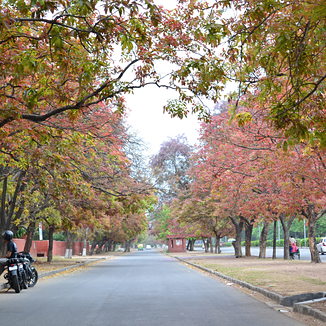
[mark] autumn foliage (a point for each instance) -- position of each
(66, 66)
(253, 179)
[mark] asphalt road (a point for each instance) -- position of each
(141, 289)
(304, 252)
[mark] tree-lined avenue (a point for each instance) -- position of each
(145, 288)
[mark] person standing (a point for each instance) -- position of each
(292, 240)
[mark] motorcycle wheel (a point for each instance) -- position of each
(15, 283)
(33, 280)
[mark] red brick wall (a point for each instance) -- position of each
(77, 248)
(59, 248)
(41, 247)
(20, 244)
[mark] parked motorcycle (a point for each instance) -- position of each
(30, 271)
(16, 275)
(20, 273)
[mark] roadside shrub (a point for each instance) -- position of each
(255, 243)
(59, 237)
(280, 243)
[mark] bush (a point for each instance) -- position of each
(59, 237)
(280, 243)
(255, 243)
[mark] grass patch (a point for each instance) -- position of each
(286, 277)
(311, 280)
(223, 269)
(255, 277)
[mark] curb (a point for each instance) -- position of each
(300, 307)
(304, 297)
(57, 271)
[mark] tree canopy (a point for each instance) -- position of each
(66, 66)
(67, 56)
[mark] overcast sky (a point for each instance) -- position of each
(146, 118)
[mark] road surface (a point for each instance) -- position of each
(140, 289)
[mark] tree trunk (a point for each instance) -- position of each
(69, 245)
(218, 245)
(110, 245)
(218, 236)
(191, 244)
(8, 206)
(238, 225)
(206, 245)
(286, 254)
(13, 201)
(312, 218)
(263, 240)
(93, 246)
(274, 240)
(127, 246)
(3, 215)
(30, 234)
(210, 241)
(315, 258)
(248, 234)
(100, 246)
(50, 249)
(286, 225)
(85, 243)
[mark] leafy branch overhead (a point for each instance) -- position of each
(64, 55)
(67, 56)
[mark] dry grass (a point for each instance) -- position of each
(283, 277)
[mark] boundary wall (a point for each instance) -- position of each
(39, 248)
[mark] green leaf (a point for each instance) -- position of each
(57, 42)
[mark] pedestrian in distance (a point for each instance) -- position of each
(294, 250)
